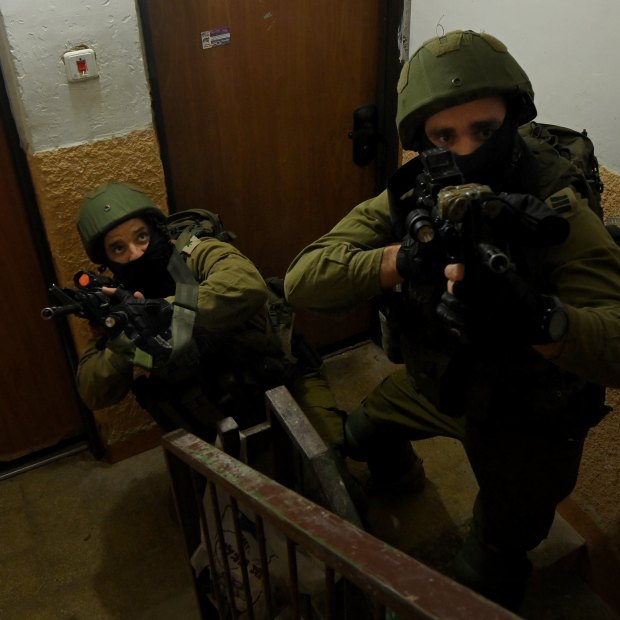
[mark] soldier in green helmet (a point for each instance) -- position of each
(513, 361)
(225, 349)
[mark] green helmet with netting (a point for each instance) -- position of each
(455, 68)
(108, 206)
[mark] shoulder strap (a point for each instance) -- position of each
(183, 226)
(185, 303)
(183, 311)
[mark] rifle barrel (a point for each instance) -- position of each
(51, 311)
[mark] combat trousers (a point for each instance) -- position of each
(522, 473)
(313, 394)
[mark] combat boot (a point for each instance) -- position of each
(500, 576)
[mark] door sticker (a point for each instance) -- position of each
(213, 38)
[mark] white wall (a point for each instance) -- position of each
(49, 111)
(570, 51)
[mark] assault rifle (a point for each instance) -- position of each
(454, 222)
(146, 322)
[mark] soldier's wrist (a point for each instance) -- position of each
(389, 276)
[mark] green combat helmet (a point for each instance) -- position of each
(455, 68)
(108, 206)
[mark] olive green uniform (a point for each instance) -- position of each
(233, 358)
(522, 419)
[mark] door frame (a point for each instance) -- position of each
(46, 264)
(387, 159)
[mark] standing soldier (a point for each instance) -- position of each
(513, 364)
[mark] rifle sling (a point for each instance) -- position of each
(185, 303)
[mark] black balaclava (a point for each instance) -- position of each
(148, 274)
(492, 163)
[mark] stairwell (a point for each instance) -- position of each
(430, 526)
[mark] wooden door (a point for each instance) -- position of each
(256, 128)
(39, 405)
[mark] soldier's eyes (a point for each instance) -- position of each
(487, 133)
(442, 138)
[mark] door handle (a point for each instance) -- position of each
(364, 134)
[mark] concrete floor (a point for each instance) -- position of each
(81, 539)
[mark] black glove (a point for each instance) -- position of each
(417, 261)
(490, 307)
(146, 322)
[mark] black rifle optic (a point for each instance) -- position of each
(445, 220)
(144, 321)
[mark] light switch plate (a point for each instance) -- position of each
(81, 65)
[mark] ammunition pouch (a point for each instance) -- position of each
(212, 380)
(436, 361)
(197, 405)
(514, 388)
(439, 373)
(178, 405)
(531, 396)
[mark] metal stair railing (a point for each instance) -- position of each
(386, 583)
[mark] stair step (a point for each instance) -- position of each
(562, 548)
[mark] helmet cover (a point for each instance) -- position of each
(455, 68)
(108, 206)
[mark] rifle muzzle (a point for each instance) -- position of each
(51, 311)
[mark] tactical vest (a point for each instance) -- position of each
(491, 386)
(212, 376)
